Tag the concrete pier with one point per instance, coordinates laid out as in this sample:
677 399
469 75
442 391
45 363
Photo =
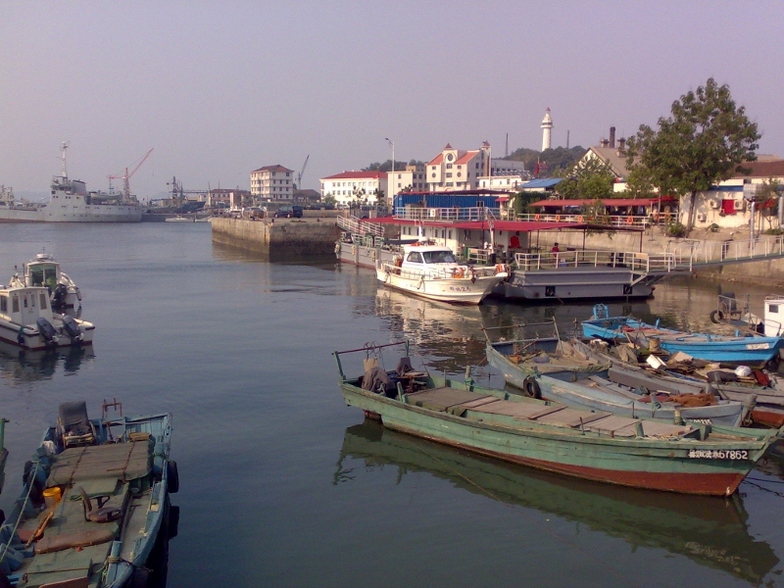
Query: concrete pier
279 238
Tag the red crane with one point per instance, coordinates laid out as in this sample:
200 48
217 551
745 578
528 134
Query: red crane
126 176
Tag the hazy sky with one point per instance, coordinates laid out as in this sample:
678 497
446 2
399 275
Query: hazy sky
221 88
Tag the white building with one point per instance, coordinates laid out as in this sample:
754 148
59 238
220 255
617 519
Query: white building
361 187
272 182
457 170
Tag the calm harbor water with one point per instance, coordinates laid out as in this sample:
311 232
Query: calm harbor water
283 485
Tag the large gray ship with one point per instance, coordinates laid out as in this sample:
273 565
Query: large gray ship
70 202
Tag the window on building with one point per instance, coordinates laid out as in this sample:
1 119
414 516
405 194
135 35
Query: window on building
448 166
449 174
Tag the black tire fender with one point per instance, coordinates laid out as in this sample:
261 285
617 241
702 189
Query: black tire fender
172 476
716 317
531 388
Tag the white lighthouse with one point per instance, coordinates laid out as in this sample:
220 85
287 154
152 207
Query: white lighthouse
547 128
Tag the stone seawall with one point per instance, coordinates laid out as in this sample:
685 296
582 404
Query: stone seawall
279 239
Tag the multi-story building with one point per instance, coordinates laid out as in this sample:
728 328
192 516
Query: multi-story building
272 182
362 187
226 198
410 179
457 170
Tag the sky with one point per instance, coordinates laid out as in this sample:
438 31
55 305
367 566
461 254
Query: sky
218 89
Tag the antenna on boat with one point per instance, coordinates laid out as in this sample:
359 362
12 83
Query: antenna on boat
63 149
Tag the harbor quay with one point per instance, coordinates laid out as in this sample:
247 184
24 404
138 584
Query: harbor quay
279 238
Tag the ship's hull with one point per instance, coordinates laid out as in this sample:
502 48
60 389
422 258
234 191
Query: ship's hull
84 213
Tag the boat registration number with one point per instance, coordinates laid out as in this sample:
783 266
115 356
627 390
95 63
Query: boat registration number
458 288
718 454
757 346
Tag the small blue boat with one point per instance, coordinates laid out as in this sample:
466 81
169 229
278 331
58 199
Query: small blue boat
749 349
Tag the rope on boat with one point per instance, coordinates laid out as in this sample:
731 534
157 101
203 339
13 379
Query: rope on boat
30 479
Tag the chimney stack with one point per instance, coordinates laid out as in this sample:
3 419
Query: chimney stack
604 143
621 145
612 137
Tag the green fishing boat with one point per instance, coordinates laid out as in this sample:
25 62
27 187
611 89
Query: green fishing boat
685 457
94 503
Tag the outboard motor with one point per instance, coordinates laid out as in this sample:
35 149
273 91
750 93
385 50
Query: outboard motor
46 330
71 327
60 295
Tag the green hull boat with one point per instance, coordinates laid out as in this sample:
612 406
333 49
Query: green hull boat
691 458
94 502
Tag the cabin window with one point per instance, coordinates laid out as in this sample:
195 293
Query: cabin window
43 301
414 257
15 303
774 308
3 303
24 300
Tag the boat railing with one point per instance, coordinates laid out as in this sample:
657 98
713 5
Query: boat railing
445 273
618 221
689 252
352 224
450 214
634 261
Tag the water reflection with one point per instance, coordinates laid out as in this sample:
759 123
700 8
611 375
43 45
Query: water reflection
22 365
709 531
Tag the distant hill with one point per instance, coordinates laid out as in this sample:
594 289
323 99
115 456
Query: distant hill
556 159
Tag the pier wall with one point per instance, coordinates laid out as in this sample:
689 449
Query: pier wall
766 271
279 239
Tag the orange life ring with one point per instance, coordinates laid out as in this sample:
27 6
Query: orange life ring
537 217
629 220
580 219
499 267
558 218
458 272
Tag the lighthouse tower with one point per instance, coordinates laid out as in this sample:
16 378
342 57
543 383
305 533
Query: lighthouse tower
547 128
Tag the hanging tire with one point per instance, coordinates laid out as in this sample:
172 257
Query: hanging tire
172 476
531 388
716 317
174 522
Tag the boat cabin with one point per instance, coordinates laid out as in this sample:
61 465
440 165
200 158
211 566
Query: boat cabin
24 306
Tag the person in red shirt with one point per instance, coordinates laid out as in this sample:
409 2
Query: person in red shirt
555 248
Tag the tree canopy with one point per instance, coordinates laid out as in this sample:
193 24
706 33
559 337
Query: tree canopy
702 142
587 179
559 158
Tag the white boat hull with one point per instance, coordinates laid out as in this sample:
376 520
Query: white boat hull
28 336
459 290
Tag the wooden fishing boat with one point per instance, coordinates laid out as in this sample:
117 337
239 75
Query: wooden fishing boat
27 320
431 271
748 348
691 458
570 373
94 501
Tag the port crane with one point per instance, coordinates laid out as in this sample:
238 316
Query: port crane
301 173
126 176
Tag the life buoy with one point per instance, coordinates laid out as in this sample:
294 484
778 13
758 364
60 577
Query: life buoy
629 220
531 388
580 219
537 217
499 268
458 272
716 317
557 218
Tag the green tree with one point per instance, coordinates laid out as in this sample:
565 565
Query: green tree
706 137
589 179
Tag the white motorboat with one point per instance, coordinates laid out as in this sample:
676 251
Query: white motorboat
45 271
431 271
27 320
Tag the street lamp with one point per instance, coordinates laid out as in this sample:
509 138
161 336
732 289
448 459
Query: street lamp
391 188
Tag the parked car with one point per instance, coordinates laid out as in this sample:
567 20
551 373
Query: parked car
289 212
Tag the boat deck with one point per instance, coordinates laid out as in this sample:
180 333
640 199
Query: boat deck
69 547
473 405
